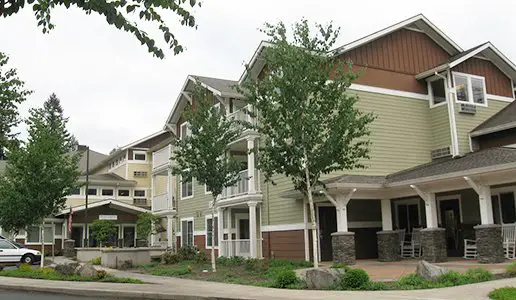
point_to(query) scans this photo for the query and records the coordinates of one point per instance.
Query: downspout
(451, 113)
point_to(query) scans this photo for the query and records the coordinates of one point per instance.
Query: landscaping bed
(63, 273)
(506, 293)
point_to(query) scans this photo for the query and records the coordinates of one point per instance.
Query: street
(16, 295)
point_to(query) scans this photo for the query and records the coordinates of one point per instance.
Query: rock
(429, 271)
(87, 270)
(319, 278)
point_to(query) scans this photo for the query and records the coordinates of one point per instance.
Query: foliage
(412, 280)
(25, 268)
(511, 269)
(186, 253)
(452, 278)
(340, 266)
(256, 265)
(120, 14)
(103, 230)
(354, 279)
(42, 172)
(170, 258)
(68, 269)
(284, 278)
(308, 122)
(506, 293)
(97, 261)
(148, 224)
(170, 272)
(377, 286)
(230, 261)
(201, 257)
(295, 264)
(479, 275)
(12, 93)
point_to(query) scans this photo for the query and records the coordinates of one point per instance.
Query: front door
(450, 220)
(243, 243)
(77, 236)
(327, 226)
(128, 236)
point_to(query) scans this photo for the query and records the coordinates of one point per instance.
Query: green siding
(440, 126)
(196, 207)
(467, 122)
(276, 210)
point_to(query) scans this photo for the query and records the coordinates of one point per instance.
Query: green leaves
(116, 14)
(103, 230)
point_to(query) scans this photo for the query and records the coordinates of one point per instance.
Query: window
(6, 245)
(187, 236)
(92, 192)
(210, 232)
(139, 156)
(470, 88)
(107, 192)
(139, 193)
(438, 91)
(508, 208)
(140, 174)
(123, 193)
(185, 130)
(75, 191)
(186, 188)
(33, 234)
(59, 229)
(207, 190)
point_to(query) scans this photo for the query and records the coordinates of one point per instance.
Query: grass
(506, 293)
(51, 274)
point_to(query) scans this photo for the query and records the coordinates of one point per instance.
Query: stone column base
(489, 244)
(388, 246)
(343, 245)
(433, 242)
(69, 248)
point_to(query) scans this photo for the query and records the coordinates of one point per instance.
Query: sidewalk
(174, 288)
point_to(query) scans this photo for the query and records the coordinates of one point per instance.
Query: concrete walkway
(175, 288)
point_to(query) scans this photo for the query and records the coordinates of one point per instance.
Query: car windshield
(18, 245)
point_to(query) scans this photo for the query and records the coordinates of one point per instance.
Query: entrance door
(128, 236)
(243, 229)
(77, 236)
(408, 216)
(450, 220)
(327, 226)
(243, 243)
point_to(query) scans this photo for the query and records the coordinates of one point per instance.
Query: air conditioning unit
(441, 152)
(468, 108)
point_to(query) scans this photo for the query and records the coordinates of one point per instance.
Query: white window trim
(139, 152)
(128, 189)
(470, 88)
(206, 192)
(39, 243)
(112, 189)
(407, 202)
(181, 188)
(188, 131)
(439, 199)
(91, 188)
(181, 230)
(206, 218)
(431, 94)
(144, 192)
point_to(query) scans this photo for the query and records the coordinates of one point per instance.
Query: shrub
(186, 253)
(231, 261)
(170, 272)
(340, 266)
(453, 278)
(201, 257)
(511, 269)
(170, 258)
(25, 268)
(101, 274)
(285, 278)
(69, 269)
(126, 264)
(377, 286)
(411, 281)
(46, 271)
(256, 265)
(354, 279)
(506, 293)
(96, 261)
(479, 275)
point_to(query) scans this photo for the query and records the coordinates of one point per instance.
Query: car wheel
(28, 259)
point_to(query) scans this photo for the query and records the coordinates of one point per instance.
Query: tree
(119, 14)
(103, 231)
(148, 224)
(12, 93)
(41, 172)
(308, 123)
(205, 153)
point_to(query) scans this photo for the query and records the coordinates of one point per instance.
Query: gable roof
(108, 202)
(95, 159)
(502, 120)
(109, 178)
(487, 49)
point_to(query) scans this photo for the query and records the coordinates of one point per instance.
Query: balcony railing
(241, 115)
(240, 247)
(162, 202)
(242, 186)
(161, 157)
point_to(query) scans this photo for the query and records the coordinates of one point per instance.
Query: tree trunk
(312, 215)
(42, 262)
(213, 262)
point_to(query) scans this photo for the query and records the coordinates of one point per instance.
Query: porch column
(433, 238)
(388, 240)
(488, 235)
(252, 227)
(153, 184)
(170, 192)
(220, 230)
(170, 236)
(343, 242)
(250, 165)
(229, 226)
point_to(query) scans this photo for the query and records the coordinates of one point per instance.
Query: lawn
(506, 293)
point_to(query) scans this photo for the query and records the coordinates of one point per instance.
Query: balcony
(161, 158)
(240, 248)
(242, 187)
(241, 115)
(162, 202)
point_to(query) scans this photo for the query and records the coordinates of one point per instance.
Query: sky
(115, 92)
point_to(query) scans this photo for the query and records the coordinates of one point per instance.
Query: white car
(12, 253)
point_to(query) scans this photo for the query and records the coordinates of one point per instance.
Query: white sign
(108, 217)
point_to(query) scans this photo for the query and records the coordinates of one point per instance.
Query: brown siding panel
(284, 244)
(497, 83)
(497, 139)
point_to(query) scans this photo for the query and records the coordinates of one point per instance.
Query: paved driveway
(14, 295)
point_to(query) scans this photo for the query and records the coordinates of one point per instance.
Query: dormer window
(470, 88)
(185, 130)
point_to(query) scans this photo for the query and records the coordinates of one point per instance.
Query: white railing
(240, 188)
(236, 248)
(239, 115)
(161, 157)
(161, 202)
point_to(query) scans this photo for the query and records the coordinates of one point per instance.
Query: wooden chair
(412, 248)
(509, 240)
(470, 249)
(401, 239)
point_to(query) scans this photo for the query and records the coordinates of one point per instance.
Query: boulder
(429, 271)
(87, 270)
(319, 278)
